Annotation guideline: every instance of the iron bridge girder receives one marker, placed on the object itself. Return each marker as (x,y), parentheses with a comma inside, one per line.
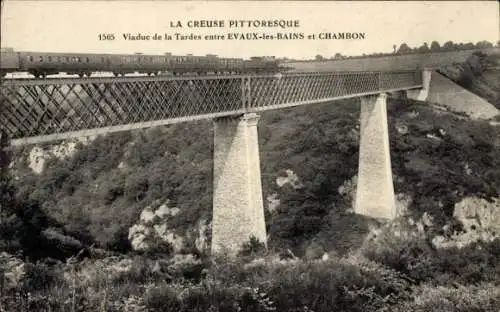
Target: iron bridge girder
(36,110)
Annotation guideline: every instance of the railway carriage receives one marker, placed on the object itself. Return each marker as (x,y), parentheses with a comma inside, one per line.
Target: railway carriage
(233,65)
(185,64)
(123,64)
(213,63)
(149,64)
(260,65)
(9,62)
(41,64)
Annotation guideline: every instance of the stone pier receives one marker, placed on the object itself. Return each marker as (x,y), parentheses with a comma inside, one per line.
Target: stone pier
(375,190)
(421,94)
(238,210)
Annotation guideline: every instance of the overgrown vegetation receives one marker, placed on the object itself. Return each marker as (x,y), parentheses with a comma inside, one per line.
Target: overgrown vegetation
(379,280)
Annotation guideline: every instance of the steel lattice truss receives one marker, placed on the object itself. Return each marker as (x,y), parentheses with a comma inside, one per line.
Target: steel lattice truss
(50,109)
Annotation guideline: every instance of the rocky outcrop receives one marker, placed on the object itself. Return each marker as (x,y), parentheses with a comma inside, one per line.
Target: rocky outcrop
(153,225)
(202,232)
(290,178)
(273,202)
(477,214)
(480,219)
(38,156)
(11,271)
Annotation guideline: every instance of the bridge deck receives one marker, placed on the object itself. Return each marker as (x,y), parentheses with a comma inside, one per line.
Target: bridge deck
(34,111)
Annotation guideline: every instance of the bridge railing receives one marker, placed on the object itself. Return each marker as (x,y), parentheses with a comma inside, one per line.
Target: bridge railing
(32,108)
(298,89)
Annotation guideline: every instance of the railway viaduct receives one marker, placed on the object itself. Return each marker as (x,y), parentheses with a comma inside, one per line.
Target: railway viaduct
(34,111)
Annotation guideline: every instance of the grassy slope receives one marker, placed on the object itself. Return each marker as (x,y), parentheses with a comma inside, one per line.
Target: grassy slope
(480,75)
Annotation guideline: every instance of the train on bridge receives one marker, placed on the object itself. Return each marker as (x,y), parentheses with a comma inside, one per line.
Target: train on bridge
(41,64)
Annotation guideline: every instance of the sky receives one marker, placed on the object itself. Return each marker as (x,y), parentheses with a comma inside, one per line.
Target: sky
(74,26)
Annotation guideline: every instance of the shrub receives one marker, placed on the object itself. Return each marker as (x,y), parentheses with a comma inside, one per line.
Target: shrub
(211,297)
(315,285)
(39,276)
(140,272)
(136,185)
(408,256)
(418,259)
(459,298)
(330,286)
(162,298)
(253,247)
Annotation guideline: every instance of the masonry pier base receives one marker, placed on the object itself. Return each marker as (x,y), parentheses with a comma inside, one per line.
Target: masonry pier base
(375,190)
(238,210)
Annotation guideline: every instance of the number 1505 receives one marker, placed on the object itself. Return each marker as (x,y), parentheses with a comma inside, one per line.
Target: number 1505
(106,37)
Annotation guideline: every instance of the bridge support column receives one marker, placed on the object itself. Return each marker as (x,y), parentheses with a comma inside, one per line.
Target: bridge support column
(421,94)
(238,210)
(375,190)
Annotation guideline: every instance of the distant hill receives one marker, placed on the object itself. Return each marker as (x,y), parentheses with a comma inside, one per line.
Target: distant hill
(392,62)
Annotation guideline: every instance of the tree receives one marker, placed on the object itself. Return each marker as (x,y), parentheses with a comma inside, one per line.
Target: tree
(423,48)
(338,56)
(469,46)
(404,48)
(484,44)
(448,46)
(319,57)
(394,47)
(435,46)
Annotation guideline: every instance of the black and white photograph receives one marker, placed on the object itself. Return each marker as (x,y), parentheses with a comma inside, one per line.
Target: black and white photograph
(249,156)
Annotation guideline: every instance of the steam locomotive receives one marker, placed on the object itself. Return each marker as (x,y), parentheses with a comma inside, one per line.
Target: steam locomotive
(41,64)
